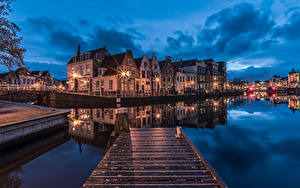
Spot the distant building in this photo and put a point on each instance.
(22, 78)
(294, 78)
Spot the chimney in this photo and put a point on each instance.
(78, 50)
(169, 58)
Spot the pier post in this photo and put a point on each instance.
(122, 121)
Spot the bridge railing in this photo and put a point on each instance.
(16, 87)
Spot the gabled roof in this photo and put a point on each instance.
(138, 62)
(119, 57)
(103, 49)
(111, 64)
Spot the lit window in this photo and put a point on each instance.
(72, 69)
(87, 69)
(97, 85)
(81, 70)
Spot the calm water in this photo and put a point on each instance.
(250, 143)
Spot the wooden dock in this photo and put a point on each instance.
(153, 157)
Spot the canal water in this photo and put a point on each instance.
(250, 142)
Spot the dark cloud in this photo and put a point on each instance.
(229, 33)
(179, 41)
(235, 31)
(62, 37)
(290, 31)
(114, 40)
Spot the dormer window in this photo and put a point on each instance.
(129, 61)
(101, 71)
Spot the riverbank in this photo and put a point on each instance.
(22, 122)
(76, 100)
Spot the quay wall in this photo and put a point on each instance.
(19, 132)
(70, 100)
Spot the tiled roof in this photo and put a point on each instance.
(119, 57)
(111, 64)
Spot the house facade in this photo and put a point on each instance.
(293, 78)
(23, 79)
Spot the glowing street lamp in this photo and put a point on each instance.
(157, 79)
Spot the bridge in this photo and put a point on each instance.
(148, 157)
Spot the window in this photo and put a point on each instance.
(98, 113)
(99, 56)
(102, 84)
(111, 114)
(97, 85)
(143, 74)
(148, 74)
(72, 69)
(74, 59)
(129, 61)
(81, 57)
(87, 69)
(111, 84)
(87, 56)
(133, 72)
(81, 70)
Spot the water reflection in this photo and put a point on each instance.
(244, 138)
(259, 147)
(89, 123)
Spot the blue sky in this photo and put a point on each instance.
(258, 38)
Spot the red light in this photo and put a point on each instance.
(273, 95)
(273, 88)
(251, 88)
(251, 95)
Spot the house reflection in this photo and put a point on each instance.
(92, 126)
(292, 101)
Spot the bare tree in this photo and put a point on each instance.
(11, 52)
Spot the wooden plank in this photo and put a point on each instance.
(151, 157)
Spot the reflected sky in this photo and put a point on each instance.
(259, 147)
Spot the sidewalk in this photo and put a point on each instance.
(13, 112)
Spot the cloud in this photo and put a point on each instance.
(61, 38)
(179, 41)
(239, 115)
(290, 31)
(115, 41)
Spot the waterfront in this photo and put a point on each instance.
(249, 143)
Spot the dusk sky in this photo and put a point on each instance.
(257, 38)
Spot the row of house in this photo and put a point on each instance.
(291, 81)
(22, 78)
(100, 73)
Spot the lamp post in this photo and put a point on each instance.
(124, 75)
(157, 85)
